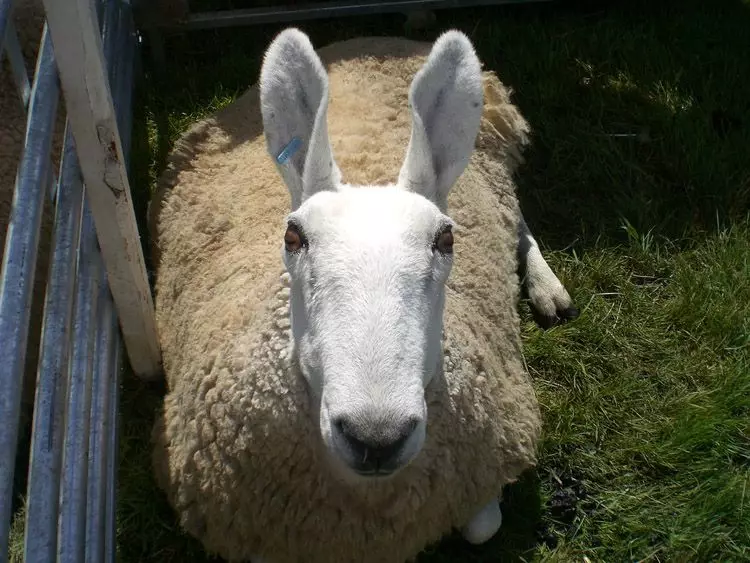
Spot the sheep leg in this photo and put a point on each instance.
(485, 523)
(550, 302)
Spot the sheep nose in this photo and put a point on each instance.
(374, 447)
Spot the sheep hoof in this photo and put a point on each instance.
(552, 308)
(484, 525)
(558, 318)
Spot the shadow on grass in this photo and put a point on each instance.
(637, 107)
(518, 536)
(641, 113)
(147, 526)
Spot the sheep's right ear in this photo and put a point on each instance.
(294, 106)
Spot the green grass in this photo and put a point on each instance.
(646, 397)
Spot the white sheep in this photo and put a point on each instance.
(364, 397)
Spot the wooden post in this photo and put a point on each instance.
(77, 42)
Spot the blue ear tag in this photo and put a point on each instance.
(288, 151)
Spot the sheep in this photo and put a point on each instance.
(353, 390)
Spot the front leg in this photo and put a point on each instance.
(485, 523)
(550, 302)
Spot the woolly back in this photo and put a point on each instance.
(235, 448)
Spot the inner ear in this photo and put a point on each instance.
(294, 108)
(446, 101)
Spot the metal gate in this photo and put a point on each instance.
(97, 293)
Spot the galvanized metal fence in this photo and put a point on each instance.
(96, 273)
(177, 13)
(160, 17)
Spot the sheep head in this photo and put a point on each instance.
(369, 264)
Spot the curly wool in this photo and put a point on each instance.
(235, 448)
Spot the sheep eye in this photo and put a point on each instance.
(444, 241)
(293, 239)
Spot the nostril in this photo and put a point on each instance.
(346, 429)
(375, 444)
(340, 425)
(410, 426)
(406, 430)
(349, 433)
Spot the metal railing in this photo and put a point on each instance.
(180, 16)
(70, 496)
(160, 17)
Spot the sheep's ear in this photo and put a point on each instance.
(294, 105)
(446, 99)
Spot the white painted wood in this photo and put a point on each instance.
(74, 29)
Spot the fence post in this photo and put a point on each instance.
(74, 29)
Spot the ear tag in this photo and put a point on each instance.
(289, 150)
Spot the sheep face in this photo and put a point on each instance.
(368, 268)
(369, 264)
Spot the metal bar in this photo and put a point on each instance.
(18, 67)
(51, 183)
(113, 50)
(109, 25)
(73, 25)
(282, 13)
(100, 479)
(122, 90)
(99, 7)
(110, 526)
(71, 531)
(99, 451)
(49, 407)
(124, 103)
(98, 435)
(19, 262)
(6, 8)
(17, 64)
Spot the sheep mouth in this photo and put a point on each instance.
(370, 475)
(367, 469)
(375, 473)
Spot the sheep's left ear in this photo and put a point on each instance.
(294, 106)
(446, 99)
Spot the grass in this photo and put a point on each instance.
(646, 397)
